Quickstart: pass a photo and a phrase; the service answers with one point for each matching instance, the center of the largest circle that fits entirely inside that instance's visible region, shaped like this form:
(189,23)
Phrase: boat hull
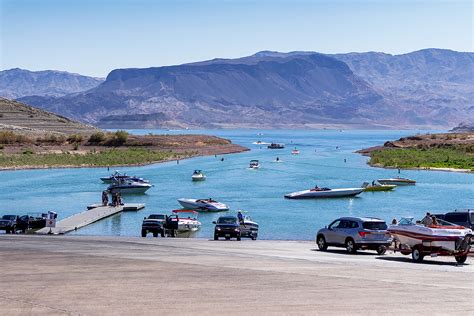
(334,193)
(398,182)
(384,187)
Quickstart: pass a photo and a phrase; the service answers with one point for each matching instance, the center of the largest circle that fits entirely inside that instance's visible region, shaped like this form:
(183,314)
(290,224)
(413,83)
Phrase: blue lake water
(259,192)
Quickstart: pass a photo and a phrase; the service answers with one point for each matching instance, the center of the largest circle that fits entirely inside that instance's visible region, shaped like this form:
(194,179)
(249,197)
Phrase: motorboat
(254,164)
(397,181)
(438,238)
(198,175)
(117,176)
(295,151)
(208,205)
(248,227)
(128,187)
(316,193)
(375,186)
(258,142)
(275,146)
(187,222)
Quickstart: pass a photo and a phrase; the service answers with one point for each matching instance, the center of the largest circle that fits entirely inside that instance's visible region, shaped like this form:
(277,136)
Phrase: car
(463,217)
(8,223)
(227,227)
(355,233)
(154,224)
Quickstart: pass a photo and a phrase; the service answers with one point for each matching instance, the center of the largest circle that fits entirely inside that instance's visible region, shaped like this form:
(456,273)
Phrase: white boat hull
(198,177)
(333,193)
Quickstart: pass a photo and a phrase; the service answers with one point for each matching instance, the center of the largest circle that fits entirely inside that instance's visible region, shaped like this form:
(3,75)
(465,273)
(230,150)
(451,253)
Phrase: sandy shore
(425,168)
(110,275)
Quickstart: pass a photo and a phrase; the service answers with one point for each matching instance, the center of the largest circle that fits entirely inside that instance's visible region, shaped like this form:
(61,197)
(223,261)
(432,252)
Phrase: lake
(258,192)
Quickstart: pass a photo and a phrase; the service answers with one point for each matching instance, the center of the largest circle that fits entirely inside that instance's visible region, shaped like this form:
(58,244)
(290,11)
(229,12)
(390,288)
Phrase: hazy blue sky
(95,36)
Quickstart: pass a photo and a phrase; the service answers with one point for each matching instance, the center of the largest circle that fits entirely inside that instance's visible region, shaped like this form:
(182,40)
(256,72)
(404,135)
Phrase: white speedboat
(441,238)
(260,143)
(254,164)
(129,187)
(198,175)
(375,187)
(209,205)
(295,151)
(117,176)
(187,221)
(317,193)
(397,181)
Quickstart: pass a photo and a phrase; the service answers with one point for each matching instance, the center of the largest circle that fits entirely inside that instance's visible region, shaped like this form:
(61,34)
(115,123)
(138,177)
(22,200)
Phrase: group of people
(116,199)
(429,220)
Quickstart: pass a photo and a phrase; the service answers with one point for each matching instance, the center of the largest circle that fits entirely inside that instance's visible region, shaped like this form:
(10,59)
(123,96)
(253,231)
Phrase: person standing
(105,198)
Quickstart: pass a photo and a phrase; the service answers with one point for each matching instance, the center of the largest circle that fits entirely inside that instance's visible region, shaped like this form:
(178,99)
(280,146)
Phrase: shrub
(96,138)
(28,152)
(75,138)
(8,137)
(117,139)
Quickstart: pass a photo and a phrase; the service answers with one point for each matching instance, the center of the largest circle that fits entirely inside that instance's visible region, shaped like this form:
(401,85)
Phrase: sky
(93,37)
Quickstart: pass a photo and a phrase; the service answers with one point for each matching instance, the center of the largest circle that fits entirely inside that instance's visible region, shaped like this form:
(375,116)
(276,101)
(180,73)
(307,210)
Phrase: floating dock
(88,217)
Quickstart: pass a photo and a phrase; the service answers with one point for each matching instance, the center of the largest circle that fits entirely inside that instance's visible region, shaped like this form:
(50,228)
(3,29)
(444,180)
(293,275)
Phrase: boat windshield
(406,221)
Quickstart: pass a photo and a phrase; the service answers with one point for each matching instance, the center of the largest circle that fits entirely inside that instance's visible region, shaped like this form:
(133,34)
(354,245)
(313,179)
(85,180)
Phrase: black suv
(228,227)
(459,217)
(154,224)
(8,223)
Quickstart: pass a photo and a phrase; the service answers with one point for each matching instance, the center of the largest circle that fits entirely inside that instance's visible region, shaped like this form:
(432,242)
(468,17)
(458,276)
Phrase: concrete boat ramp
(94,213)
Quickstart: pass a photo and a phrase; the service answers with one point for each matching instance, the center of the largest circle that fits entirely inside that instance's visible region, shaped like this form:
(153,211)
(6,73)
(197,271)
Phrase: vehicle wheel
(13,230)
(143,233)
(227,238)
(461,259)
(155,234)
(216,237)
(162,234)
(416,254)
(254,237)
(351,246)
(7,231)
(381,250)
(238,238)
(321,241)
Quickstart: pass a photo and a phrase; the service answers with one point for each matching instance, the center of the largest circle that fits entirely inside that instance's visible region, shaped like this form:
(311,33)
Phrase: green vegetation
(7,137)
(108,157)
(459,158)
(96,138)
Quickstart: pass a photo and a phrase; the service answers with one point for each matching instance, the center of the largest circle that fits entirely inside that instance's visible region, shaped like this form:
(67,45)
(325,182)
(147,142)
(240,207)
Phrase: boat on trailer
(437,239)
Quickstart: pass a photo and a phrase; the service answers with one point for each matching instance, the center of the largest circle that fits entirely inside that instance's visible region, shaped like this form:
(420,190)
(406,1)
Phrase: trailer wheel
(461,259)
(381,250)
(417,255)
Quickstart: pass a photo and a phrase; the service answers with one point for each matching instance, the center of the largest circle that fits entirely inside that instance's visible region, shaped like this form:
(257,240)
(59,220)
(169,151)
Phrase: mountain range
(16,83)
(427,88)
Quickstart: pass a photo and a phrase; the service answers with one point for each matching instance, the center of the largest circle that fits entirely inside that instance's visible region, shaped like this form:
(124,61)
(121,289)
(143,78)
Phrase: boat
(275,146)
(208,205)
(248,228)
(316,193)
(254,164)
(277,160)
(397,181)
(198,175)
(122,176)
(187,222)
(258,142)
(128,187)
(439,238)
(375,186)
(295,151)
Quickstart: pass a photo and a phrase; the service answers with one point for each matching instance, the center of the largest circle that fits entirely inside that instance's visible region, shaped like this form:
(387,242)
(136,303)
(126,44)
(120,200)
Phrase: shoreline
(423,168)
(26,167)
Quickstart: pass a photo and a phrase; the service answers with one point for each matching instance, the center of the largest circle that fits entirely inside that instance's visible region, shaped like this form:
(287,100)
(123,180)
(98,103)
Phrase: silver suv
(355,233)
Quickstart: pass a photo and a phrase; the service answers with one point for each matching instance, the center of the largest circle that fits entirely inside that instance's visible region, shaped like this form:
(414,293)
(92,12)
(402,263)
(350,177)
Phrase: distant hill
(428,88)
(464,127)
(17,83)
(18,117)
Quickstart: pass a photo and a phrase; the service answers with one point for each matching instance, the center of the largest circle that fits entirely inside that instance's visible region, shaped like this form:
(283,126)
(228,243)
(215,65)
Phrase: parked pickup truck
(154,224)
(8,223)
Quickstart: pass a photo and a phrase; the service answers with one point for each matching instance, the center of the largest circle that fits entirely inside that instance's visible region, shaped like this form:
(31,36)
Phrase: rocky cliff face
(17,83)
